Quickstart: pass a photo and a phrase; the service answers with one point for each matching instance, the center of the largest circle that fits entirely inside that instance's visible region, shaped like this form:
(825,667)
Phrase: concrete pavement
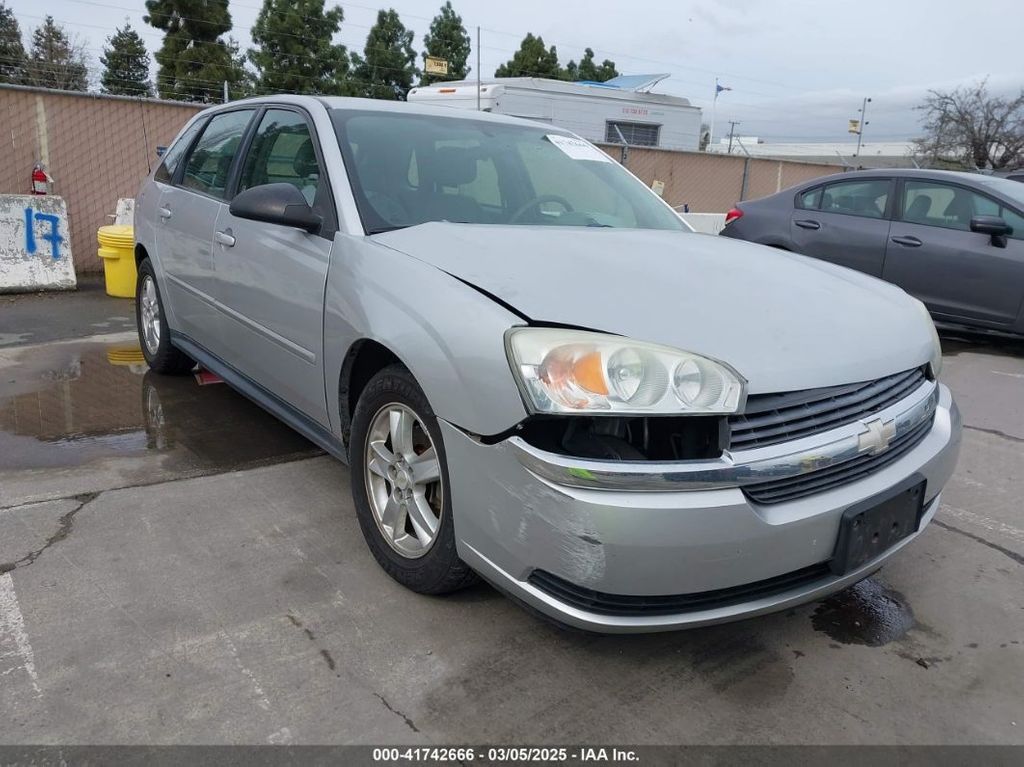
(156,588)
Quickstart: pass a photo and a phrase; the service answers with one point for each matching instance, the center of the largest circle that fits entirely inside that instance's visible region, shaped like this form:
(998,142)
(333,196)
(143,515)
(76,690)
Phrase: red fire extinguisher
(40,180)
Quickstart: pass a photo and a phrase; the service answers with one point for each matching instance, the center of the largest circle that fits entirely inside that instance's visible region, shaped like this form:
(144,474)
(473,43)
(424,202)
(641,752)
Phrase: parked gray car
(536,371)
(953,240)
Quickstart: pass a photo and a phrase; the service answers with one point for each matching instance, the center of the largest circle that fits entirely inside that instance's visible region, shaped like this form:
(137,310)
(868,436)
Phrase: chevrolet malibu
(537,372)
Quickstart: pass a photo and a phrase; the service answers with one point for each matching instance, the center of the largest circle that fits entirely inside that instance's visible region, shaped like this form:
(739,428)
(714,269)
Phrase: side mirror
(993,226)
(276,204)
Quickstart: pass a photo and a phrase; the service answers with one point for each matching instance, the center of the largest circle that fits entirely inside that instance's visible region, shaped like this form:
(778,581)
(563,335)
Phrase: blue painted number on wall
(53,236)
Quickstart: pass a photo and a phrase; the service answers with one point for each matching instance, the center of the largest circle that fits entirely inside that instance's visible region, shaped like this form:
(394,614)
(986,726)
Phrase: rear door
(271,278)
(188,210)
(845,222)
(960,275)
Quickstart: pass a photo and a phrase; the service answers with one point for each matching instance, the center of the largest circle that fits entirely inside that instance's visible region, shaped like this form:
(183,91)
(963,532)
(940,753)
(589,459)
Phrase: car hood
(783,321)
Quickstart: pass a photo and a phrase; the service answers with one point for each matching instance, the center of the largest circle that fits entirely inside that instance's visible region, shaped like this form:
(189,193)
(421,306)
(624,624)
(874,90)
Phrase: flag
(720,88)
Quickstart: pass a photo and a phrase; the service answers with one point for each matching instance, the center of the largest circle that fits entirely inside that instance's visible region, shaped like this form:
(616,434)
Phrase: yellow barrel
(117,249)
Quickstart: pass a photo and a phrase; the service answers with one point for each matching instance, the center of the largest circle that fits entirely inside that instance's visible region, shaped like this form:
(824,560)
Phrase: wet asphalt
(178,567)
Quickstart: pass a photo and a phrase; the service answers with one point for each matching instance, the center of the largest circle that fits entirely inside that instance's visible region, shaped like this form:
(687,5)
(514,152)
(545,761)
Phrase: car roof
(378,105)
(938,175)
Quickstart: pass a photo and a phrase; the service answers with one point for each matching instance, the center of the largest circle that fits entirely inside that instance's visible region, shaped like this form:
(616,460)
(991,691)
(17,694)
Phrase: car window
(169,162)
(282,151)
(207,167)
(856,198)
(809,200)
(1015,220)
(460,168)
(933,203)
(573,180)
(410,169)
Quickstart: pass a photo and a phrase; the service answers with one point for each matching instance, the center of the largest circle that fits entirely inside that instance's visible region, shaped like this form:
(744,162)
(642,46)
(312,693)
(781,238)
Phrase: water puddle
(867,613)
(71,404)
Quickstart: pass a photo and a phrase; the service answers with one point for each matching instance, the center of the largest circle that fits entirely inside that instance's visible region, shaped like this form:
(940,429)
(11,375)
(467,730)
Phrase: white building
(873,154)
(622,110)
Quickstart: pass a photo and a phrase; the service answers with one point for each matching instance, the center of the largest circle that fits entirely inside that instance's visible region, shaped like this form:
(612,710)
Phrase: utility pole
(732,130)
(478,69)
(863,123)
(226,96)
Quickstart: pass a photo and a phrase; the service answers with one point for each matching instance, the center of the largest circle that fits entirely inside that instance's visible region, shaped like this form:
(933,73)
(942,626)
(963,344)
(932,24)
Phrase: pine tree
(126,64)
(194,61)
(387,68)
(588,70)
(245,82)
(447,39)
(54,61)
(12,52)
(532,60)
(294,52)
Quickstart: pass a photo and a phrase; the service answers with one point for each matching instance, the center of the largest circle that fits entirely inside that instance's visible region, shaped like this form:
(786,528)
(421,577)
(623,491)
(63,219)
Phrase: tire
(386,489)
(154,333)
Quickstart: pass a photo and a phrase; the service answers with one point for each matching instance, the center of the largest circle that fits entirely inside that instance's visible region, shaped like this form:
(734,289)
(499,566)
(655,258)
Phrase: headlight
(936,361)
(573,371)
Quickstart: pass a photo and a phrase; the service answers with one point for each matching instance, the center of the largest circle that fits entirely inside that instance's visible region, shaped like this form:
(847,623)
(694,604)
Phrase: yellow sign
(433,65)
(854,126)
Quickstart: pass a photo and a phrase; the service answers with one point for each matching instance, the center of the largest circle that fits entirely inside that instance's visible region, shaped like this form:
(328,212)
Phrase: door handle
(165,213)
(225,238)
(910,242)
(806,224)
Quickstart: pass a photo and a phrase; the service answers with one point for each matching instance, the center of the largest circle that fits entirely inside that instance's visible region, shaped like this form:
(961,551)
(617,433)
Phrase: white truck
(619,111)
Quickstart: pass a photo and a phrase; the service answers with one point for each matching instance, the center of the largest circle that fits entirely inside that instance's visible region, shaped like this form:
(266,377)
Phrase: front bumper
(516,513)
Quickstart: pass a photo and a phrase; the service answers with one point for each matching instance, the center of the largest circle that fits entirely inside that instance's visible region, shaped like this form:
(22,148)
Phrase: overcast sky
(798,69)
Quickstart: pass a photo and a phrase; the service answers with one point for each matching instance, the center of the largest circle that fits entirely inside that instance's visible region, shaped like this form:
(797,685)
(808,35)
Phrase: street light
(863,123)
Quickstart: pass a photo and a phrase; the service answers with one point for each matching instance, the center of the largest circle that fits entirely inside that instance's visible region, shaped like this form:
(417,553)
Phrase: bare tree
(969,127)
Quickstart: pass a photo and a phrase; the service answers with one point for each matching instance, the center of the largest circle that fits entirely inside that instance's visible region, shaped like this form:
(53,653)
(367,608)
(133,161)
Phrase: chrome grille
(769,419)
(792,488)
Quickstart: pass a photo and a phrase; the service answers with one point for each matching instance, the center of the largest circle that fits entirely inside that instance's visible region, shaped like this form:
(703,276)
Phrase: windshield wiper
(388,228)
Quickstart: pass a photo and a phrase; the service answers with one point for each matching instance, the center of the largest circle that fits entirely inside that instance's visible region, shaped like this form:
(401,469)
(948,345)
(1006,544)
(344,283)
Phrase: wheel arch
(363,360)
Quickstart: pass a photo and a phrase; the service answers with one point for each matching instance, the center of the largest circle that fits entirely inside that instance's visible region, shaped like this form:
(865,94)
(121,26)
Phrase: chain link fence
(712,183)
(98,149)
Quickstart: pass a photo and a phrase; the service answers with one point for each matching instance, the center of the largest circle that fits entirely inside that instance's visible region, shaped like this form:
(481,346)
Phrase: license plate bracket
(873,526)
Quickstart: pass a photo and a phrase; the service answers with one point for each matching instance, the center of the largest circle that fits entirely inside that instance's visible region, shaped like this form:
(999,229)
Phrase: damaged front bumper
(605,546)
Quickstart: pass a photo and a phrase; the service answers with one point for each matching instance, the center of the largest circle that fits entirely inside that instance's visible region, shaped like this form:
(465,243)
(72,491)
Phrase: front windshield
(408,169)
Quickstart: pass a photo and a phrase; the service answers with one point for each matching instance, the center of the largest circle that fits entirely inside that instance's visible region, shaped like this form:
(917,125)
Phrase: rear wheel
(154,334)
(400,485)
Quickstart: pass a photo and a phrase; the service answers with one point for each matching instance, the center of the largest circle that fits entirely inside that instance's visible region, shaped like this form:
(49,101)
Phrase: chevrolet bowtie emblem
(877,437)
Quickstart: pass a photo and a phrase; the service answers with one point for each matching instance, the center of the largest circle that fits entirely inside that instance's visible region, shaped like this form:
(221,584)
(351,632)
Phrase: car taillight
(732,215)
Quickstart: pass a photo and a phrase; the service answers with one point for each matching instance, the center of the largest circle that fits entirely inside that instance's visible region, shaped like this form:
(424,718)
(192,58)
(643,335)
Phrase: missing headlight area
(651,438)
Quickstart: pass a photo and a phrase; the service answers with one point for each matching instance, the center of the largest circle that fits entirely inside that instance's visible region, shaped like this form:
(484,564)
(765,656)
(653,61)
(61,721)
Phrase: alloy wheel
(150,314)
(403,480)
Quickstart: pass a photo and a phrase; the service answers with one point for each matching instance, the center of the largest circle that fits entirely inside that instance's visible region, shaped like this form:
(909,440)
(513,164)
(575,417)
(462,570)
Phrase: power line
(766,110)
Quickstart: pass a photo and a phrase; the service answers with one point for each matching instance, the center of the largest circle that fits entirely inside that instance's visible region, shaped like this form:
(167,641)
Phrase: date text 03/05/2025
(491,754)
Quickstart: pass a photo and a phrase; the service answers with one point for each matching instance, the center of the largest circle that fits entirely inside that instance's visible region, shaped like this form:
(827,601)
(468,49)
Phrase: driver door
(271,277)
(960,275)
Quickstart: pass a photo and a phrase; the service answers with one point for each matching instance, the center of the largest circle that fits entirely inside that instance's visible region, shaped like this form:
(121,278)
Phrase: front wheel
(154,333)
(400,485)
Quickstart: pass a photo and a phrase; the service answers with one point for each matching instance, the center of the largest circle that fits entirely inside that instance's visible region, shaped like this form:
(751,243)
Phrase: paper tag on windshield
(578,149)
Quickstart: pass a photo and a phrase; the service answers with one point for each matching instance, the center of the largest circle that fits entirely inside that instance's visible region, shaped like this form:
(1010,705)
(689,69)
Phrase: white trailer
(619,111)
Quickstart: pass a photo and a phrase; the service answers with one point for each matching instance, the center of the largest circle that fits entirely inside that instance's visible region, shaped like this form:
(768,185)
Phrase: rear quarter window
(809,200)
(172,157)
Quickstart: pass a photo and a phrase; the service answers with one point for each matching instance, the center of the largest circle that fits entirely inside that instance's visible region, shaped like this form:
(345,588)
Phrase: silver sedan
(536,371)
